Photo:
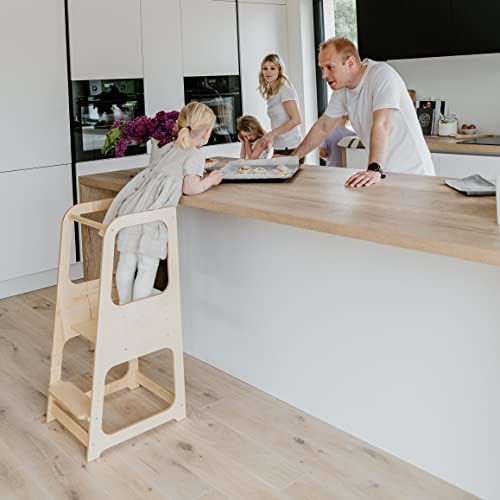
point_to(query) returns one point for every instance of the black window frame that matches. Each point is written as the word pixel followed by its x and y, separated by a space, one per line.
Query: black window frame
pixel 319 37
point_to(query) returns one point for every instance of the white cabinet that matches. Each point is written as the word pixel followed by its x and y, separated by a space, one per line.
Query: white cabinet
pixel 263 30
pixel 230 150
pixel 34 123
pixel 163 75
pixel 209 38
pixel 459 166
pixel 105 39
pixel 32 204
pixel 437 163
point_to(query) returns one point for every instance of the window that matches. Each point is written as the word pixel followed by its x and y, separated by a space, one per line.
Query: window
pixel 344 13
pixel 332 18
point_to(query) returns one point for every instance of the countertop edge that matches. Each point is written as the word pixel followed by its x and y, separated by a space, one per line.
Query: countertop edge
pixel 407 241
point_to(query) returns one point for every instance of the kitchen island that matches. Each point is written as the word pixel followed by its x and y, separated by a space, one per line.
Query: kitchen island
pixel 375 309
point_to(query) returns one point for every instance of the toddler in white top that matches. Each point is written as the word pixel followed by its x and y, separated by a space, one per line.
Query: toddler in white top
pixel 249 132
pixel 177 171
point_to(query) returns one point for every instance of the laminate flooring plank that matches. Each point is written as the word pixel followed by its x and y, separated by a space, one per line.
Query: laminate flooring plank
pixel 49 293
pixel 261 461
pixel 236 443
pixel 57 460
pixel 307 488
pixel 330 454
pixel 215 468
pixel 212 495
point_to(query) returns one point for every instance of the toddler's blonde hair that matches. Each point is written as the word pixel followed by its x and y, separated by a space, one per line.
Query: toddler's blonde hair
pixel 264 87
pixel 248 123
pixel 193 119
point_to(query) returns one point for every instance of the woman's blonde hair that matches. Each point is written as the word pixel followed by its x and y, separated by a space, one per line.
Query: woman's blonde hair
pixel 264 87
pixel 248 123
pixel 194 118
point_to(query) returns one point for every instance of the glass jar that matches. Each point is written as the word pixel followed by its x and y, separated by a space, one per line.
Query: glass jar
pixel 448 124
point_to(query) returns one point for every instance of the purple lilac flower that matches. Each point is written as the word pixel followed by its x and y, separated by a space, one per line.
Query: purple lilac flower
pixel 116 123
pixel 162 127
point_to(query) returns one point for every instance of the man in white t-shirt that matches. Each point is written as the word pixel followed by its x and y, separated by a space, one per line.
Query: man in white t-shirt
pixel 379 108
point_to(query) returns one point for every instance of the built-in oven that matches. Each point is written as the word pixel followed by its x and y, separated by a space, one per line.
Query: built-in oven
pixel 223 95
pixel 96 105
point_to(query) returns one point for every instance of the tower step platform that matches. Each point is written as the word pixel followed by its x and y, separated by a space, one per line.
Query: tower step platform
pixel 119 333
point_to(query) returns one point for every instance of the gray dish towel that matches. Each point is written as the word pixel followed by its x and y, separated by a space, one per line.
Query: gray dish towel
pixel 474 185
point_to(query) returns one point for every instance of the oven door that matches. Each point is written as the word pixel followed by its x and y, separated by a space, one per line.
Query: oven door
pixel 227 109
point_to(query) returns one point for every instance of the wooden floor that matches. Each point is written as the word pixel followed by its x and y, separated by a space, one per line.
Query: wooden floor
pixel 236 443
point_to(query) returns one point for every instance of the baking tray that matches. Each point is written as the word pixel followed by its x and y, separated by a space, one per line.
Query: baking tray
pixel 232 173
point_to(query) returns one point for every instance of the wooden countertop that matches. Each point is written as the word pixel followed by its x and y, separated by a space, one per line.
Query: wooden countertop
pixel 450 145
pixel 409 211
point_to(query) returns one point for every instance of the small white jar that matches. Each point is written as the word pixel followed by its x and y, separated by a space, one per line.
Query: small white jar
pixel 448 125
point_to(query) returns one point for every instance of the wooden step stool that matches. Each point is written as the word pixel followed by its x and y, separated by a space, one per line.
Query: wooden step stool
pixel 120 334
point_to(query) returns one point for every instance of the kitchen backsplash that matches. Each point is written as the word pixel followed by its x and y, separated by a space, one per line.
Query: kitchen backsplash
pixel 469 83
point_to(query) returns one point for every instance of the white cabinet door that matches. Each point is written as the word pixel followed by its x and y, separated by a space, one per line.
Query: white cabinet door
pixel 32 204
pixel 459 166
pixel 163 74
pixel 437 163
pixel 263 30
pixel 105 39
pixel 34 126
pixel 209 38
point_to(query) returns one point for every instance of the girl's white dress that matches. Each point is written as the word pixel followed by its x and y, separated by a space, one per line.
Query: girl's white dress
pixel 266 153
pixel 157 186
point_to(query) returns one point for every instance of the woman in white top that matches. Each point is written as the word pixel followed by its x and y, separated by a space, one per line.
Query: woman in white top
pixel 282 106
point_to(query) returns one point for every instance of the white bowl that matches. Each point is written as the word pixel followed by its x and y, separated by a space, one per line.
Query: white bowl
pixel 468 131
pixel 210 163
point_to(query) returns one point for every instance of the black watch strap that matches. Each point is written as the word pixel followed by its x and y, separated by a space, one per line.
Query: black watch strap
pixel 375 167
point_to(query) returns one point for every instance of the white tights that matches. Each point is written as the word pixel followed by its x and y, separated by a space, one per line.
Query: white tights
pixel 131 286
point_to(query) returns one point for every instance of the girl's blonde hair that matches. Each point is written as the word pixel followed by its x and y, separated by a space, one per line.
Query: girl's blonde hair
pixel 264 87
pixel 194 118
pixel 248 123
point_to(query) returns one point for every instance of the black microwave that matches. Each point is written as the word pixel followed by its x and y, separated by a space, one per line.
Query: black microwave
pixel 223 95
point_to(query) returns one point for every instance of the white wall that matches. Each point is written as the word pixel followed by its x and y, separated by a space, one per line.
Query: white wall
pixel 302 62
pixel 270 22
pixel 469 83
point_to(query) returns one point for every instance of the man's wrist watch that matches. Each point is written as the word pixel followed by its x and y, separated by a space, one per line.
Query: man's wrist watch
pixel 375 167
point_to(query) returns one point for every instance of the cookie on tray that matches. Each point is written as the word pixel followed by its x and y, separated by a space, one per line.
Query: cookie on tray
pixel 259 170
pixel 282 169
pixel 245 169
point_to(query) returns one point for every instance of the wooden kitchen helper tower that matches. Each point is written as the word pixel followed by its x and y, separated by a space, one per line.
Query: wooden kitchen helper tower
pixel 121 334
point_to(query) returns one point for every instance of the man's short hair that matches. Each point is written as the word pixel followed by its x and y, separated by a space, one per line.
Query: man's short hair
pixel 343 46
